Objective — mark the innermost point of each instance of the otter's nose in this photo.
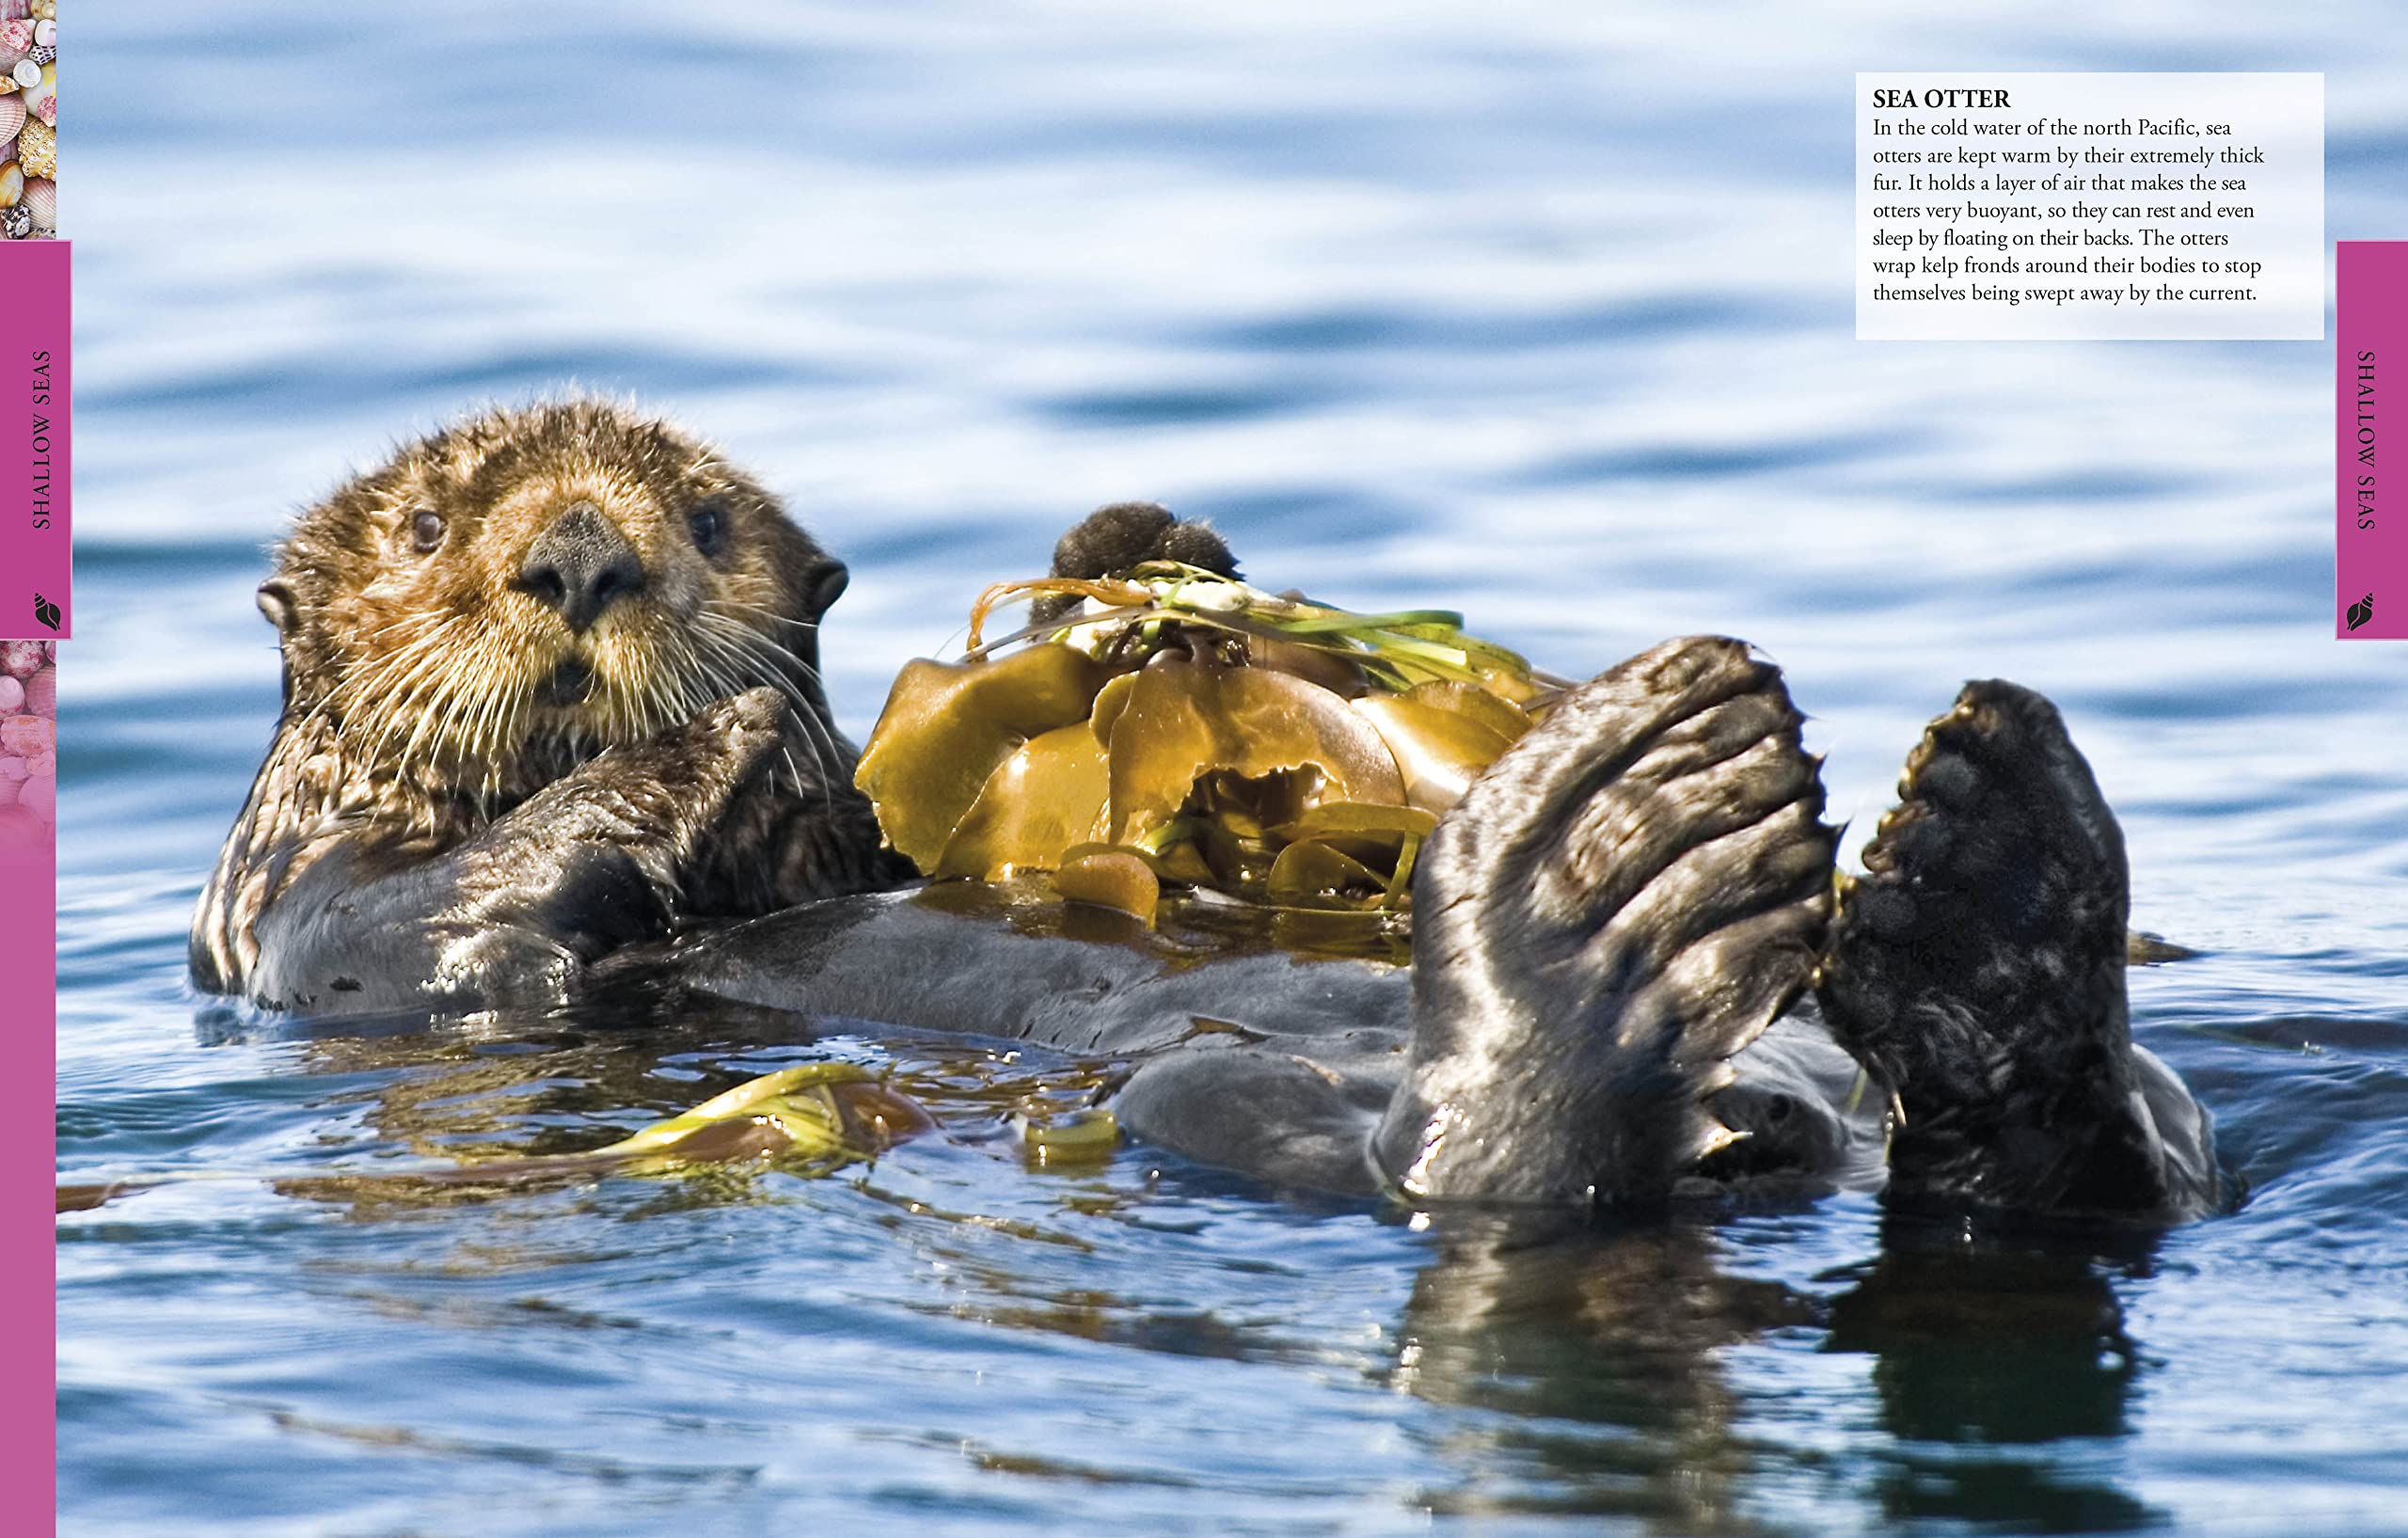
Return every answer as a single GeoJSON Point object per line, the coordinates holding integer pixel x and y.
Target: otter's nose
{"type": "Point", "coordinates": [581, 565]}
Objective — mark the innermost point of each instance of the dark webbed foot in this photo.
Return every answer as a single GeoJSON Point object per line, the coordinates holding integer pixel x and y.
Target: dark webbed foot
{"type": "Point", "coordinates": [1125, 534]}
{"type": "Point", "coordinates": [1979, 968]}
{"type": "Point", "coordinates": [1618, 905]}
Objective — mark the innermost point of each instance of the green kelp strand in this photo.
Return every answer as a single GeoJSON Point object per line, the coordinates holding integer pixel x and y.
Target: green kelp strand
{"type": "Point", "coordinates": [1338, 619]}
{"type": "Point", "coordinates": [787, 1093]}
{"type": "Point", "coordinates": [1401, 883]}
{"type": "Point", "coordinates": [1429, 652]}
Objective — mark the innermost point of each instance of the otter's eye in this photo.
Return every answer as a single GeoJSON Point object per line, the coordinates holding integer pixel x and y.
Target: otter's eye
{"type": "Point", "coordinates": [708, 525]}
{"type": "Point", "coordinates": [426, 530]}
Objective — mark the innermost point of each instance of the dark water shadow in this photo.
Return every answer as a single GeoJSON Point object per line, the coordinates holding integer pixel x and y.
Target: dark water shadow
{"type": "Point", "coordinates": [2002, 1372]}
{"type": "Point", "coordinates": [1600, 1351]}
{"type": "Point", "coordinates": [2002, 1375]}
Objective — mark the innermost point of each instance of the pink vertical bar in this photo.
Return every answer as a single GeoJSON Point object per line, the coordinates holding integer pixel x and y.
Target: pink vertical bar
{"type": "Point", "coordinates": [2370, 440]}
{"type": "Point", "coordinates": [28, 1156]}
{"type": "Point", "coordinates": [36, 603]}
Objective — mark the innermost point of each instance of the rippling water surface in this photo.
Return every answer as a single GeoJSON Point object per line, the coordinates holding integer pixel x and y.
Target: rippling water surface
{"type": "Point", "coordinates": [1539, 312]}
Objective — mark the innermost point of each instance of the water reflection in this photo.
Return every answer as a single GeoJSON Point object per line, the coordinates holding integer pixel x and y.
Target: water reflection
{"type": "Point", "coordinates": [1605, 1358]}
{"type": "Point", "coordinates": [1604, 1350]}
{"type": "Point", "coordinates": [522, 1103]}
{"type": "Point", "coordinates": [1640, 1372]}
{"type": "Point", "coordinates": [1610, 1355]}
{"type": "Point", "coordinates": [1986, 1352]}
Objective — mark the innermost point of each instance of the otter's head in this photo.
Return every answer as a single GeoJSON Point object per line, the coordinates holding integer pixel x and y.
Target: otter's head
{"type": "Point", "coordinates": [520, 590]}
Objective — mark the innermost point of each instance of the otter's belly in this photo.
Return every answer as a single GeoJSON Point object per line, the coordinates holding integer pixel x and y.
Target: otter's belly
{"type": "Point", "coordinates": [1243, 1055]}
{"type": "Point", "coordinates": [1252, 1059]}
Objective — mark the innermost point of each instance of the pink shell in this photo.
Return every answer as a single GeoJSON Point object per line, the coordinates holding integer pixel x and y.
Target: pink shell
{"type": "Point", "coordinates": [41, 199]}
{"type": "Point", "coordinates": [21, 658]}
{"type": "Point", "coordinates": [12, 769]}
{"type": "Point", "coordinates": [16, 9]}
{"type": "Point", "coordinates": [18, 33]}
{"type": "Point", "coordinates": [12, 695]}
{"type": "Point", "coordinates": [12, 116]}
{"type": "Point", "coordinates": [27, 736]}
{"type": "Point", "coordinates": [41, 693]}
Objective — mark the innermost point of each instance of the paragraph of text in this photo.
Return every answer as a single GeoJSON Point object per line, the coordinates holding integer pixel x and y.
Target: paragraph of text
{"type": "Point", "coordinates": [2062, 207]}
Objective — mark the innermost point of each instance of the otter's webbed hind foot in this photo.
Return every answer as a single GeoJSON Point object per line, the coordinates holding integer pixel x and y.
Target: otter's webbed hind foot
{"type": "Point", "coordinates": [1979, 968]}
{"type": "Point", "coordinates": [1622, 902]}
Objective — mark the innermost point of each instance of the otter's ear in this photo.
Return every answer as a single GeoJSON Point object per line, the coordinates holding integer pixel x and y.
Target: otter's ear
{"type": "Point", "coordinates": [822, 584]}
{"type": "Point", "coordinates": [276, 602]}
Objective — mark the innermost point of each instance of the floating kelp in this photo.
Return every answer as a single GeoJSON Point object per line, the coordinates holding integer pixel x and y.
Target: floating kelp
{"type": "Point", "coordinates": [1189, 729]}
{"type": "Point", "coordinates": [811, 1120]}
{"type": "Point", "coordinates": [814, 1114]}
{"type": "Point", "coordinates": [1084, 1138]}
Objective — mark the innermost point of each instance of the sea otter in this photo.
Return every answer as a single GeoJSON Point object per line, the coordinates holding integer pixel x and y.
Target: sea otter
{"type": "Point", "coordinates": [516, 730]}
{"type": "Point", "coordinates": [553, 729]}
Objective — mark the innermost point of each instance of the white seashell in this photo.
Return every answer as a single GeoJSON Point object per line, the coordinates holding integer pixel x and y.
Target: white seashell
{"type": "Point", "coordinates": [26, 73]}
{"type": "Point", "coordinates": [46, 33]}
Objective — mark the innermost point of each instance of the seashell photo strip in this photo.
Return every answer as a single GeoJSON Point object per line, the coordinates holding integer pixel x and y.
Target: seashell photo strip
{"type": "Point", "coordinates": [29, 119]}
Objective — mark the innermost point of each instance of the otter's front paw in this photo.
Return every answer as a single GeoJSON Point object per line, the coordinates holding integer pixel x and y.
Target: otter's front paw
{"type": "Point", "coordinates": [601, 857]}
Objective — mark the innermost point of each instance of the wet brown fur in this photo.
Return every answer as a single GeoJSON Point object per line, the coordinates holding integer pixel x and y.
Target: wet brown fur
{"type": "Point", "coordinates": [415, 683]}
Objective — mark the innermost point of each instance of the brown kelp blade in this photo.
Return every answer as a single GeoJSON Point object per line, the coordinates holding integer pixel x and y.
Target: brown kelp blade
{"type": "Point", "coordinates": [1051, 794]}
{"type": "Point", "coordinates": [1187, 721]}
{"type": "Point", "coordinates": [1217, 718]}
{"type": "Point", "coordinates": [948, 726]}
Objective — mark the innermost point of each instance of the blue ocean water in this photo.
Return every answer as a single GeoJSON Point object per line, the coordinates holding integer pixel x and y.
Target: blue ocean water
{"type": "Point", "coordinates": [1539, 313]}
